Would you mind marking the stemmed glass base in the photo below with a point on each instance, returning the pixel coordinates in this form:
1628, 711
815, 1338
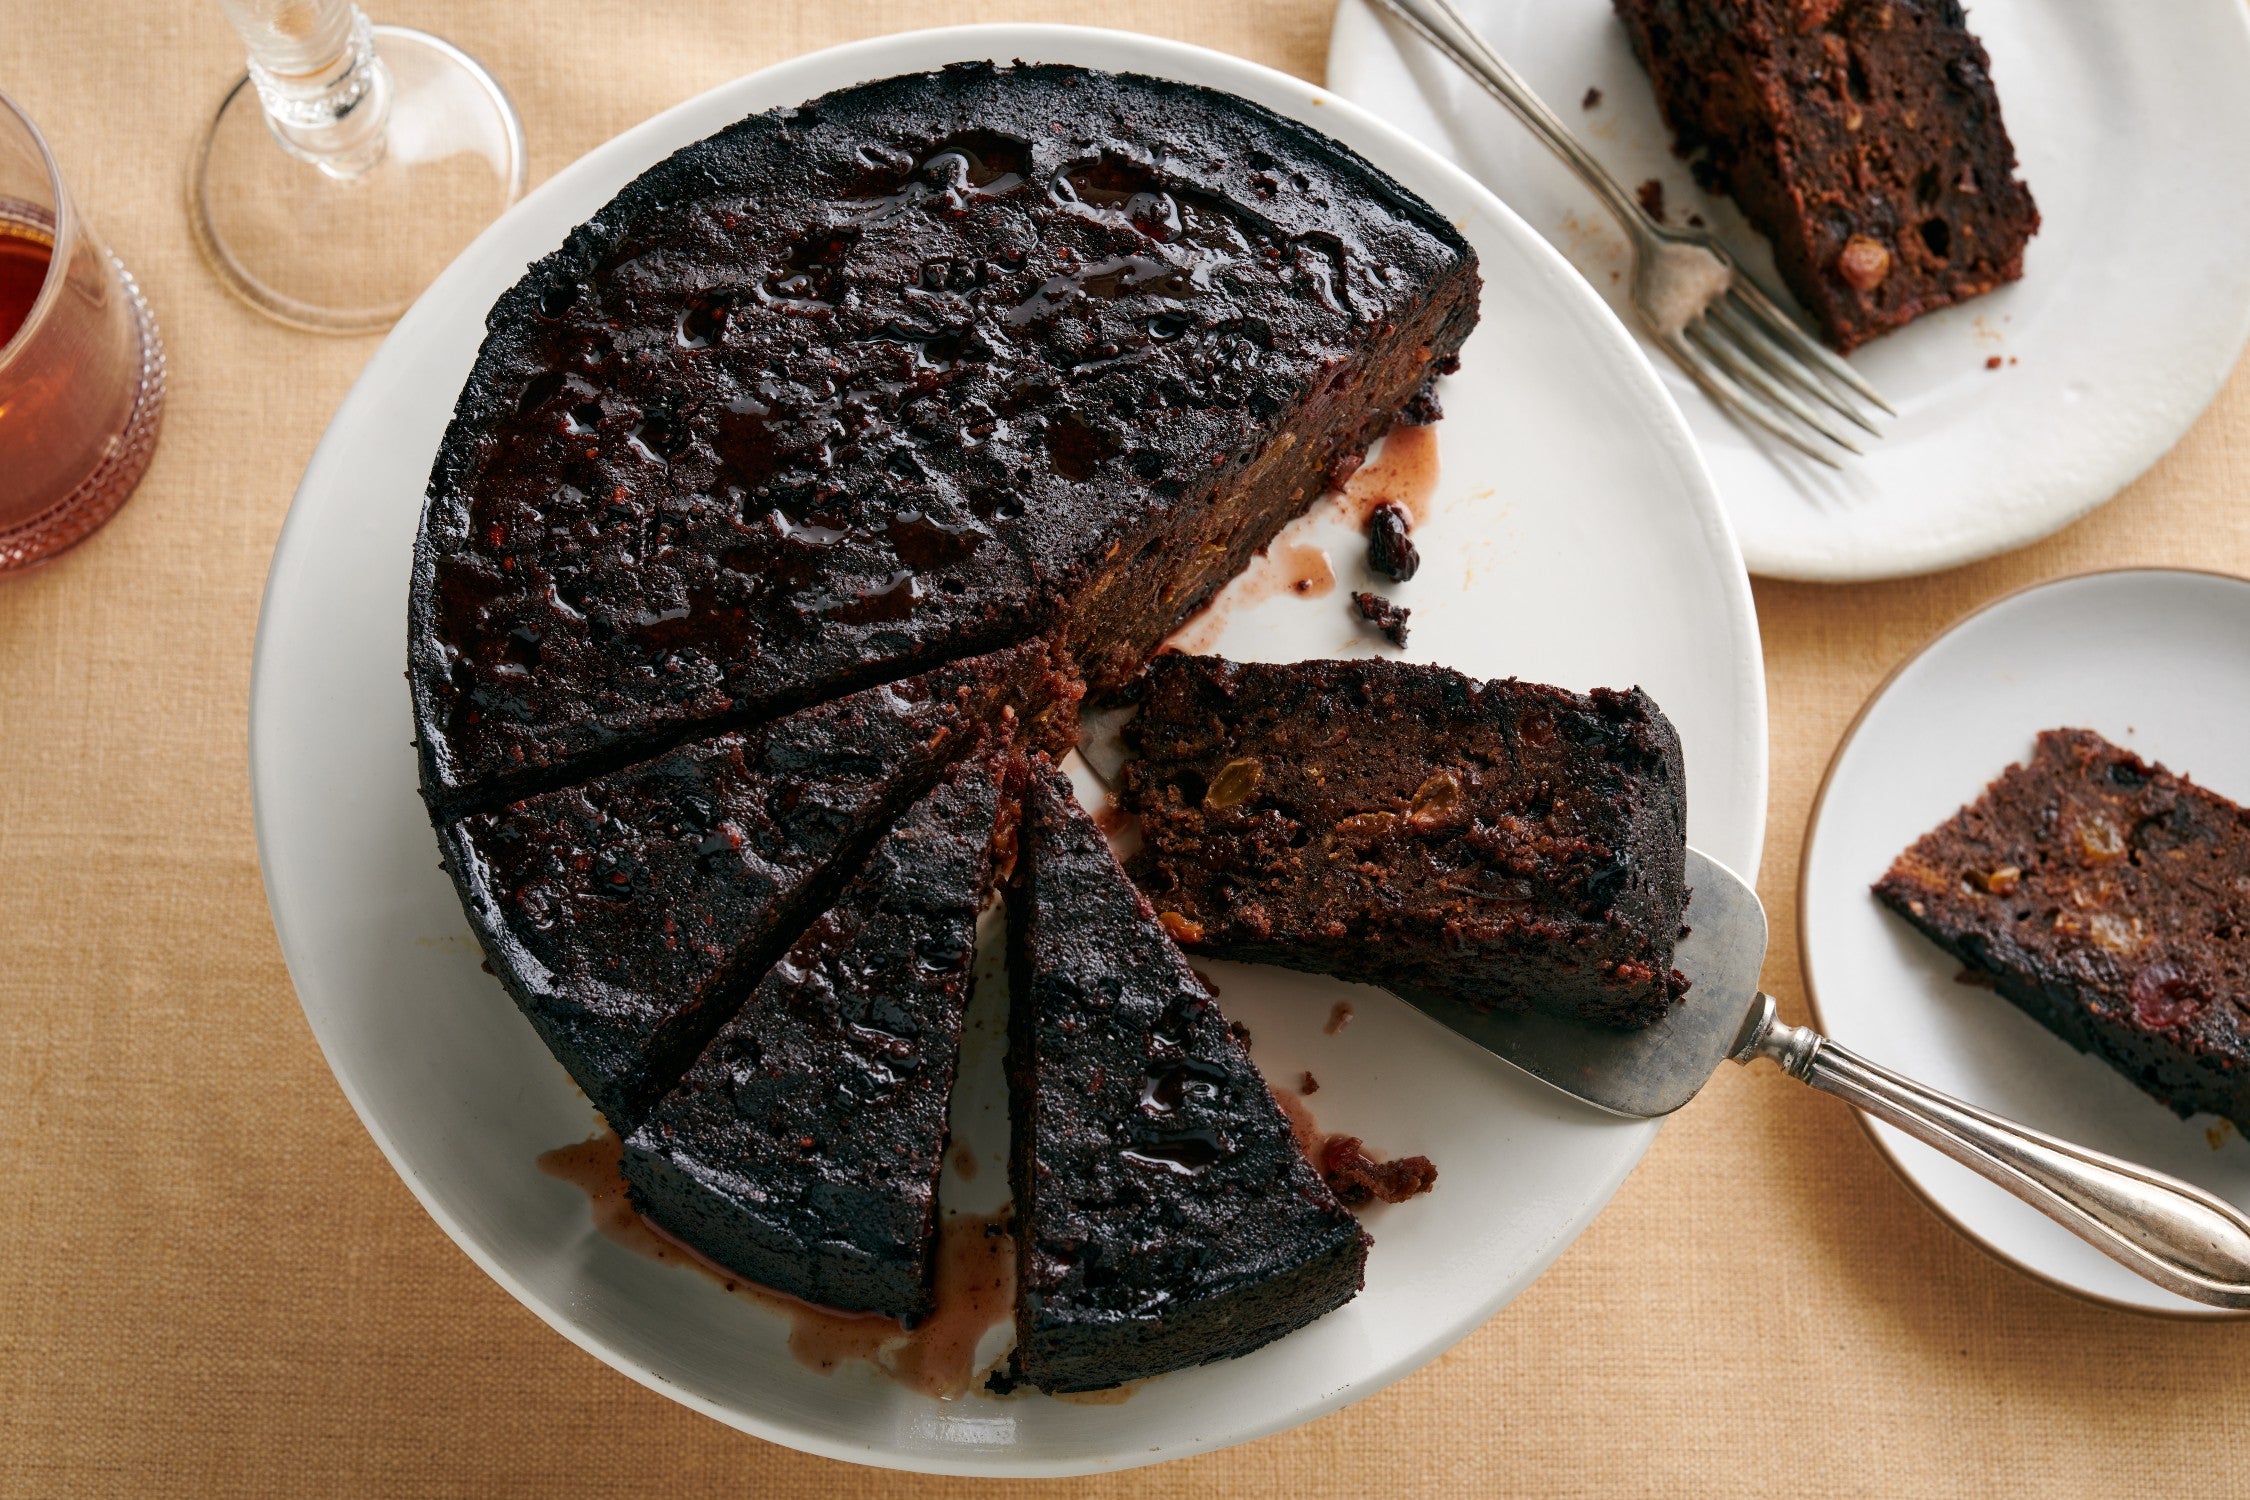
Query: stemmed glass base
348, 254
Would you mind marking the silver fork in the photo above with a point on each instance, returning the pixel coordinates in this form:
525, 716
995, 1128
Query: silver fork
1705, 311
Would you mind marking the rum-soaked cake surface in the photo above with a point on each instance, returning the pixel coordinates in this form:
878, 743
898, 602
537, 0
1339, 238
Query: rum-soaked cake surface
1863, 137
1164, 1214
802, 1149
627, 913
912, 371
1505, 843
2110, 899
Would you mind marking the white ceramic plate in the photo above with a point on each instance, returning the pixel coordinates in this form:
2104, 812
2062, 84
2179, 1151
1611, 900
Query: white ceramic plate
2159, 662
2133, 126
1576, 538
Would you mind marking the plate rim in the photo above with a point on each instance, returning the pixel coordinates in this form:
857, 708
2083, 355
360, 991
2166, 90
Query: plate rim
1349, 28
1667, 427
1884, 1147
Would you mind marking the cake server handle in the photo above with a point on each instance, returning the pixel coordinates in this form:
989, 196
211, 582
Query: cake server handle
2171, 1232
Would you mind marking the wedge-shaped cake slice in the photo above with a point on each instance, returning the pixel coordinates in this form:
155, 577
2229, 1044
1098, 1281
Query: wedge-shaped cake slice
2110, 899
628, 913
803, 1148
1164, 1215
1504, 843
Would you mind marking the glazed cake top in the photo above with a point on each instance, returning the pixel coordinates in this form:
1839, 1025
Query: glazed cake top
854, 387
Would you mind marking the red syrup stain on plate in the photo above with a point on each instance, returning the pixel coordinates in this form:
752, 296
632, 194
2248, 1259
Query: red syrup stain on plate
1298, 569
976, 1276
1404, 472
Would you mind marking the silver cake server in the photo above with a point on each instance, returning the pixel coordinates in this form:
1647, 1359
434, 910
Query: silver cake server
2175, 1234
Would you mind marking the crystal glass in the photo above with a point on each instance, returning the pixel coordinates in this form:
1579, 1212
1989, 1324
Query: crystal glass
81, 365
348, 166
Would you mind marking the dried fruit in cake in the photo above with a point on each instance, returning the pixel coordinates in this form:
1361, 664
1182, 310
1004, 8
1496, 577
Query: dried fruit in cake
1862, 137
627, 914
802, 1150
2110, 899
1505, 843
912, 371
1164, 1215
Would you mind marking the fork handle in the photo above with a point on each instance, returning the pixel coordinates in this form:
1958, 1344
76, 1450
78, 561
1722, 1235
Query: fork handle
1443, 27
2171, 1232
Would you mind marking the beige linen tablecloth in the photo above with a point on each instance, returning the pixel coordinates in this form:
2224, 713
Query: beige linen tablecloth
211, 1282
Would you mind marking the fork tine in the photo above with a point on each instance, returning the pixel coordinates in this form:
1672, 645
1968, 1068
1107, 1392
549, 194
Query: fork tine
1732, 398
1759, 345
1712, 340
1790, 336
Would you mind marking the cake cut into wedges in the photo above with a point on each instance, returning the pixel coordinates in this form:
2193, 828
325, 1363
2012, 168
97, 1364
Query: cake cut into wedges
912, 371
2109, 898
802, 1150
1862, 137
1504, 843
1164, 1215
628, 913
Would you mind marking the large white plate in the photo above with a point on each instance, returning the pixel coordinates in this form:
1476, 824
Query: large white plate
1576, 539
2159, 662
2133, 126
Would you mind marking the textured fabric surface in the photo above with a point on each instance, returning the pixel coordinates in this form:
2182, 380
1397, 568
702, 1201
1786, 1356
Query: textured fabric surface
210, 1282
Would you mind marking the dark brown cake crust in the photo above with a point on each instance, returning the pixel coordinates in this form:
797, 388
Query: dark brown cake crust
803, 1148
910, 372
1505, 843
2110, 899
1862, 137
629, 914
1164, 1215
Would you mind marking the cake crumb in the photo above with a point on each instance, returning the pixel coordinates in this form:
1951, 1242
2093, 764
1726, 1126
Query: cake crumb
1592, 100
1308, 1084
1339, 1017
1358, 1179
1695, 221
1385, 616
1651, 194
1992, 363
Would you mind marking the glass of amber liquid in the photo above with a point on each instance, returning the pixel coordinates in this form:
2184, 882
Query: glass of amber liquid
81, 365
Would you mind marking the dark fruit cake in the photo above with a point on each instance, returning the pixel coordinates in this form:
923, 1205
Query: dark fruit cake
803, 1148
1862, 137
1164, 1214
2110, 899
907, 373
628, 913
1505, 843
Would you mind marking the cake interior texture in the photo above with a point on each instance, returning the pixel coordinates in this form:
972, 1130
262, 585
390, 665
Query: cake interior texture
1505, 843
802, 1150
1862, 137
1164, 1214
2110, 899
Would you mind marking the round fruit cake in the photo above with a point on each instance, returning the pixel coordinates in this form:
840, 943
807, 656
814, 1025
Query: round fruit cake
841, 451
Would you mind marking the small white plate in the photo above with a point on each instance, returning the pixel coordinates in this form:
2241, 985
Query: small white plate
2159, 662
2133, 126
1574, 537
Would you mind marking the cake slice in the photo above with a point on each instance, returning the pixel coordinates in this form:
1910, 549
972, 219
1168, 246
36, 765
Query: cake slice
627, 914
2110, 899
1862, 137
1504, 843
803, 1148
1164, 1216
